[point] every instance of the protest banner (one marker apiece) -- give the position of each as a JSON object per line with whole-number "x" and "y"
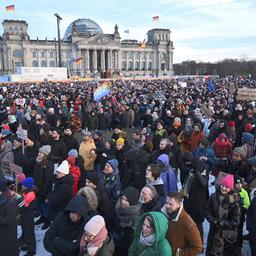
{"x": 10, "y": 170}
{"x": 246, "y": 94}
{"x": 205, "y": 110}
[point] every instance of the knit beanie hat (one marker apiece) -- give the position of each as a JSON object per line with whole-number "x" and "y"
{"x": 93, "y": 177}
{"x": 188, "y": 156}
{"x": 132, "y": 194}
{"x": 120, "y": 141}
{"x": 228, "y": 181}
{"x": 71, "y": 160}
{"x": 248, "y": 138}
{"x": 240, "y": 151}
{"x": 231, "y": 124}
{"x": 28, "y": 182}
{"x": 63, "y": 167}
{"x": 238, "y": 179}
{"x": 199, "y": 126}
{"x": 248, "y": 127}
{"x": 20, "y": 177}
{"x": 3, "y": 186}
{"x": 94, "y": 225}
{"x": 45, "y": 149}
{"x": 73, "y": 152}
{"x": 148, "y": 145}
{"x": 32, "y": 137}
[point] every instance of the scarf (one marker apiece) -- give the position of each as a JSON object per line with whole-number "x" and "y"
{"x": 187, "y": 184}
{"x": 127, "y": 215}
{"x": 158, "y": 181}
{"x": 147, "y": 240}
{"x": 97, "y": 242}
{"x": 160, "y": 132}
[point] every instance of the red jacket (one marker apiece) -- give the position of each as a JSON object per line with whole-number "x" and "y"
{"x": 75, "y": 171}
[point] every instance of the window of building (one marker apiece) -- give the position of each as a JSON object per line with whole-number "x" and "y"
{"x": 143, "y": 66}
{"x": 163, "y": 66}
{"x": 149, "y": 65}
{"x": 137, "y": 65}
{"x": 17, "y": 64}
{"x": 43, "y": 63}
{"x": 130, "y": 55}
{"x": 34, "y": 63}
{"x": 52, "y": 64}
{"x": 51, "y": 55}
{"x": 34, "y": 54}
{"x": 124, "y": 55}
{"x": 164, "y": 56}
{"x": 130, "y": 65}
{"x": 123, "y": 65}
{"x": 17, "y": 53}
{"x": 42, "y": 54}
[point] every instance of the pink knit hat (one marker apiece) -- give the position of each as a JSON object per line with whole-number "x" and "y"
{"x": 228, "y": 181}
{"x": 94, "y": 225}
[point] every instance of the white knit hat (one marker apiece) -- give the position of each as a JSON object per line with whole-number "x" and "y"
{"x": 63, "y": 167}
{"x": 94, "y": 225}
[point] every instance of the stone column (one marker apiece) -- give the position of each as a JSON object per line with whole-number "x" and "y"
{"x": 37, "y": 54}
{"x": 110, "y": 60}
{"x": 94, "y": 60}
{"x": 119, "y": 60}
{"x": 170, "y": 60}
{"x": 146, "y": 61}
{"x": 140, "y": 67}
{"x": 103, "y": 60}
{"x": 127, "y": 62}
{"x": 133, "y": 60}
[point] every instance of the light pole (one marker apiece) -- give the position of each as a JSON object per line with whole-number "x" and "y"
{"x": 58, "y": 28}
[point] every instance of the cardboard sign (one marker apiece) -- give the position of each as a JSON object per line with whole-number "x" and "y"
{"x": 10, "y": 170}
{"x": 246, "y": 94}
{"x": 22, "y": 133}
{"x": 20, "y": 102}
{"x": 205, "y": 110}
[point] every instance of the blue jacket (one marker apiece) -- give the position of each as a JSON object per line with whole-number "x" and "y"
{"x": 251, "y": 217}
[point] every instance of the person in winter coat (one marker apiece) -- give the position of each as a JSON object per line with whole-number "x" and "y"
{"x": 59, "y": 149}
{"x": 98, "y": 140}
{"x": 223, "y": 214}
{"x": 69, "y": 139}
{"x": 127, "y": 212}
{"x": 250, "y": 224}
{"x": 112, "y": 181}
{"x": 6, "y": 154}
{"x": 150, "y": 235}
{"x": 63, "y": 236}
{"x": 27, "y": 205}
{"x": 8, "y": 225}
{"x": 248, "y": 141}
{"x": 75, "y": 172}
{"x": 149, "y": 199}
{"x": 154, "y": 179}
{"x": 159, "y": 134}
{"x": 96, "y": 241}
{"x": 43, "y": 176}
{"x": 167, "y": 174}
{"x": 62, "y": 192}
{"x": 216, "y": 130}
{"x": 196, "y": 136}
{"x": 195, "y": 191}
{"x": 91, "y": 198}
{"x": 108, "y": 152}
{"x": 182, "y": 234}
{"x": 86, "y": 150}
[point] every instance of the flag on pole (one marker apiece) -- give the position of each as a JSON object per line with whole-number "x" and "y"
{"x": 127, "y": 31}
{"x": 155, "y": 18}
{"x": 143, "y": 44}
{"x": 10, "y": 8}
{"x": 102, "y": 91}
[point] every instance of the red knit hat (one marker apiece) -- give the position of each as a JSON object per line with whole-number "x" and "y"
{"x": 231, "y": 124}
{"x": 248, "y": 127}
{"x": 228, "y": 181}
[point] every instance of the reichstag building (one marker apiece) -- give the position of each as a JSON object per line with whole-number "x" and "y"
{"x": 86, "y": 51}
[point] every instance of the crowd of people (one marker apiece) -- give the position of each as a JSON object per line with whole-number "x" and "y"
{"x": 128, "y": 175}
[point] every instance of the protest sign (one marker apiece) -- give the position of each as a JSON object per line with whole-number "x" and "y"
{"x": 10, "y": 170}
{"x": 246, "y": 94}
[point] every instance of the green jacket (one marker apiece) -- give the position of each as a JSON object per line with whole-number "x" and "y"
{"x": 245, "y": 198}
{"x": 161, "y": 247}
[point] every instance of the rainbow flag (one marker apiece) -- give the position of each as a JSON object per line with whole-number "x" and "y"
{"x": 102, "y": 91}
{"x": 10, "y": 8}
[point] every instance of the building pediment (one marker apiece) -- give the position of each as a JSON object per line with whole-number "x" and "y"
{"x": 98, "y": 40}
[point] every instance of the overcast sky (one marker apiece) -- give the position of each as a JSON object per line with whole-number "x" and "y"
{"x": 206, "y": 30}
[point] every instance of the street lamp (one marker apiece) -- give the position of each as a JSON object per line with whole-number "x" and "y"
{"x": 58, "y": 28}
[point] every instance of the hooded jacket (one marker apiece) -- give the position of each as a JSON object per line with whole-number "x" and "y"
{"x": 6, "y": 155}
{"x": 167, "y": 175}
{"x": 63, "y": 236}
{"x": 161, "y": 246}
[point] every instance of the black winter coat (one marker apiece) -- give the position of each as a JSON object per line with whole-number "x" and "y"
{"x": 229, "y": 221}
{"x": 8, "y": 227}
{"x": 43, "y": 176}
{"x": 70, "y": 142}
{"x": 60, "y": 196}
{"x": 154, "y": 205}
{"x": 63, "y": 236}
{"x": 58, "y": 150}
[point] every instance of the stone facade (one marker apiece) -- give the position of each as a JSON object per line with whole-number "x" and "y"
{"x": 101, "y": 54}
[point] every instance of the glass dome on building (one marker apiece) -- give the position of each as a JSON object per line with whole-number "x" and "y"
{"x": 85, "y": 27}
